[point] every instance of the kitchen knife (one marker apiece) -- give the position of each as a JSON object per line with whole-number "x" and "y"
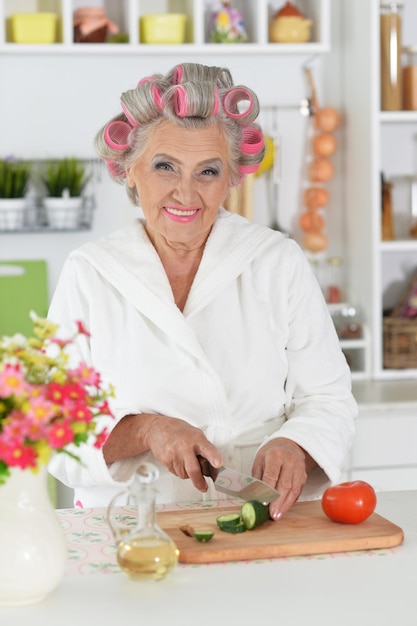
{"x": 236, "y": 484}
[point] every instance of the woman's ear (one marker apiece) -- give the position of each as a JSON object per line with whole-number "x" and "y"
{"x": 129, "y": 178}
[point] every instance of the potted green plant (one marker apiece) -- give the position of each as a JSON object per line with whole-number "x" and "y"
{"x": 15, "y": 175}
{"x": 64, "y": 181}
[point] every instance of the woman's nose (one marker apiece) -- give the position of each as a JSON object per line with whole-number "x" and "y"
{"x": 185, "y": 191}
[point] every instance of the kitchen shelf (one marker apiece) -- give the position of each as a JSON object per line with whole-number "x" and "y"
{"x": 379, "y": 141}
{"x": 126, "y": 13}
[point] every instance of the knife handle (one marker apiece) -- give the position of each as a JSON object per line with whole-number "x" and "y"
{"x": 206, "y": 468}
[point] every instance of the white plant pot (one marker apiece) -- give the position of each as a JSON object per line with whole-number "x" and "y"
{"x": 12, "y": 213}
{"x": 63, "y": 212}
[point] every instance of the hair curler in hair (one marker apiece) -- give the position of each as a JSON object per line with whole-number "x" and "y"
{"x": 177, "y": 75}
{"x": 181, "y": 102}
{"x": 116, "y": 135}
{"x": 216, "y": 101}
{"x": 114, "y": 168}
{"x": 248, "y": 169}
{"x": 129, "y": 117}
{"x": 231, "y": 101}
{"x": 180, "y": 105}
{"x": 252, "y": 140}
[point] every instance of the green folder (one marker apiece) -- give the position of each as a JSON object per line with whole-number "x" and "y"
{"x": 23, "y": 288}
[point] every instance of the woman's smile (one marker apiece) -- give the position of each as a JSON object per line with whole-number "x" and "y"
{"x": 183, "y": 215}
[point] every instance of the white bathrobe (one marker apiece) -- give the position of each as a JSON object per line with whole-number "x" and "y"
{"x": 254, "y": 354}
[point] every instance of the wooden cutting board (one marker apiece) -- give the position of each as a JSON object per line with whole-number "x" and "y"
{"x": 303, "y": 530}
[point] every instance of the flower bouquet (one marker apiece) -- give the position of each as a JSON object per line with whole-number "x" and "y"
{"x": 46, "y": 407}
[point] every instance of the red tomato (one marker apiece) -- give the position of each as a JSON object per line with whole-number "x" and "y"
{"x": 350, "y": 503}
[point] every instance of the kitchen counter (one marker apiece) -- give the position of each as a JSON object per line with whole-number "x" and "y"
{"x": 368, "y": 588}
{"x": 385, "y": 395}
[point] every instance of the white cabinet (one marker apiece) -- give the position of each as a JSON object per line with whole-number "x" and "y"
{"x": 126, "y": 14}
{"x": 384, "y": 451}
{"x": 376, "y": 141}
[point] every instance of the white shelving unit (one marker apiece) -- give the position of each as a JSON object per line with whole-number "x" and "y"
{"x": 377, "y": 141}
{"x": 126, "y": 14}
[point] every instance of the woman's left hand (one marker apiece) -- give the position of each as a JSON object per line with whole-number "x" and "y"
{"x": 284, "y": 465}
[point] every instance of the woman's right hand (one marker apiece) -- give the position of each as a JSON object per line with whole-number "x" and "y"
{"x": 176, "y": 444}
{"x": 173, "y": 442}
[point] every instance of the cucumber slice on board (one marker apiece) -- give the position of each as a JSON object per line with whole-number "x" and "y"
{"x": 224, "y": 522}
{"x": 254, "y": 513}
{"x": 203, "y": 535}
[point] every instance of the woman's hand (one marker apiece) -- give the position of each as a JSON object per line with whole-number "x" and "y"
{"x": 174, "y": 443}
{"x": 284, "y": 465}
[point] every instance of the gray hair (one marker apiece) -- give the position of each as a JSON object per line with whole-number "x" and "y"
{"x": 191, "y": 96}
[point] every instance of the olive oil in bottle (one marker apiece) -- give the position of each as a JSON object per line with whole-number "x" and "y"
{"x": 144, "y": 552}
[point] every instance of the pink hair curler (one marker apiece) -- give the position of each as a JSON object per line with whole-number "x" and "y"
{"x": 156, "y": 94}
{"x": 252, "y": 141}
{"x": 248, "y": 169}
{"x": 177, "y": 75}
{"x": 216, "y": 101}
{"x": 232, "y": 99}
{"x": 114, "y": 169}
{"x": 128, "y": 115}
{"x": 180, "y": 105}
{"x": 146, "y": 79}
{"x": 116, "y": 135}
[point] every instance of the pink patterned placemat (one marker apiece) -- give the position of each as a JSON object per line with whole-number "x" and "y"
{"x": 92, "y": 549}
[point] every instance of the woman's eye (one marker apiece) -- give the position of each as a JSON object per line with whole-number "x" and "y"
{"x": 210, "y": 171}
{"x": 166, "y": 167}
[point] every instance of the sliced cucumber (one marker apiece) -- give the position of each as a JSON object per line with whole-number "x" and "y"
{"x": 228, "y": 521}
{"x": 254, "y": 513}
{"x": 236, "y": 528}
{"x": 203, "y": 535}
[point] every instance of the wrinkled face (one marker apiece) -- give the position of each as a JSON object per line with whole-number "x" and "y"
{"x": 181, "y": 178}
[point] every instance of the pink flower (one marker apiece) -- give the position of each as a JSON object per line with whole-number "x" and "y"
{"x": 104, "y": 408}
{"x": 57, "y": 393}
{"x": 101, "y": 438}
{"x": 60, "y": 342}
{"x": 59, "y": 434}
{"x": 12, "y": 381}
{"x": 81, "y": 329}
{"x": 15, "y": 428}
{"x": 75, "y": 392}
{"x": 80, "y": 412}
{"x": 86, "y": 375}
{"x": 15, "y": 454}
{"x": 39, "y": 410}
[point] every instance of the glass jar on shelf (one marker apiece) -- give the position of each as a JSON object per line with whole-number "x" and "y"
{"x": 410, "y": 78}
{"x": 334, "y": 280}
{"x": 390, "y": 47}
{"x": 348, "y": 322}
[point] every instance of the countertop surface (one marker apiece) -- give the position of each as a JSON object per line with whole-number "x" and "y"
{"x": 385, "y": 395}
{"x": 367, "y": 588}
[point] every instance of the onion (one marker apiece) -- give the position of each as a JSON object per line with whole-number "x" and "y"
{"x": 321, "y": 170}
{"x": 311, "y": 221}
{"x": 327, "y": 119}
{"x": 315, "y": 242}
{"x": 324, "y": 145}
{"x": 315, "y": 197}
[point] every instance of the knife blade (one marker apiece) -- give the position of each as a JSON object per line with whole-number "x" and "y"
{"x": 236, "y": 484}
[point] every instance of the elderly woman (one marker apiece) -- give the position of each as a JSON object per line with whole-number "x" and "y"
{"x": 212, "y": 329}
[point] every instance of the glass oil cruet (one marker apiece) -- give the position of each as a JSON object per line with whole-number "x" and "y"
{"x": 144, "y": 551}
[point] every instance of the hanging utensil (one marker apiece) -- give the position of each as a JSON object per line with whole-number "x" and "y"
{"x": 274, "y": 176}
